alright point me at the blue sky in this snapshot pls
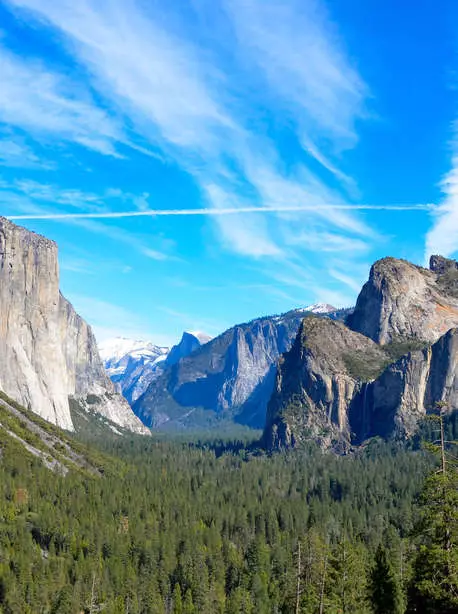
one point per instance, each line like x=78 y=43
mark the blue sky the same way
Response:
x=328 y=114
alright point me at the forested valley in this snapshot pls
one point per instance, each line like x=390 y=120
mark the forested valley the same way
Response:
x=221 y=527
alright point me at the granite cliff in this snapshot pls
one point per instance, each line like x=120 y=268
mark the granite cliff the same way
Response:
x=381 y=371
x=316 y=382
x=229 y=377
x=402 y=300
x=48 y=353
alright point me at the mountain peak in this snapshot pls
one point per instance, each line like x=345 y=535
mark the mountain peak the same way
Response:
x=401 y=299
x=320 y=308
x=198 y=334
x=190 y=341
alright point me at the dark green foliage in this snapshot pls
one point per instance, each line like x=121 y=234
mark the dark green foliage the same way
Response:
x=402 y=346
x=433 y=588
x=368 y=367
x=384 y=589
x=448 y=282
x=364 y=367
x=199 y=528
x=209 y=527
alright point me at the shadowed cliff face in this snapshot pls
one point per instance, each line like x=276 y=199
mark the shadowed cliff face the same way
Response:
x=316 y=382
x=407 y=390
x=47 y=352
x=379 y=374
x=231 y=375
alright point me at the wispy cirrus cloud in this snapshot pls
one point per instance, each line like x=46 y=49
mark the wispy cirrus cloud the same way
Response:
x=177 y=96
x=297 y=47
x=15 y=153
x=33 y=200
x=48 y=105
x=346 y=279
x=155 y=78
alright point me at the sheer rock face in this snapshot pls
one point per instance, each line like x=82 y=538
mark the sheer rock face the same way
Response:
x=402 y=300
x=231 y=375
x=409 y=389
x=316 y=383
x=47 y=351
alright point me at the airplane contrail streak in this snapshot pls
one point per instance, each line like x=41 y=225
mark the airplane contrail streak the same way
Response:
x=218 y=212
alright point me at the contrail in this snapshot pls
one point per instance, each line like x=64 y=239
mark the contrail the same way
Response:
x=216 y=212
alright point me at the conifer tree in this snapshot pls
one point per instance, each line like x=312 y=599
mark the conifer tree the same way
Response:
x=433 y=588
x=384 y=591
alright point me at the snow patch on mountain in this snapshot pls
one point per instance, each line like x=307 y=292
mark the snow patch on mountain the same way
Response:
x=115 y=349
x=132 y=364
x=320 y=308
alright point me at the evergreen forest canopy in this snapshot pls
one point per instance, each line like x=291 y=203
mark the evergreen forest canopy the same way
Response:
x=218 y=527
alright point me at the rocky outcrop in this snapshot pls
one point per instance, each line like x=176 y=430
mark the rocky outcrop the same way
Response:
x=316 y=383
x=402 y=300
x=47 y=352
x=441 y=265
x=378 y=376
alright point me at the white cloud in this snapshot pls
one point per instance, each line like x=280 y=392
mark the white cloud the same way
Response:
x=351 y=282
x=27 y=197
x=297 y=47
x=443 y=236
x=77 y=199
x=154 y=77
x=49 y=106
x=175 y=94
x=14 y=152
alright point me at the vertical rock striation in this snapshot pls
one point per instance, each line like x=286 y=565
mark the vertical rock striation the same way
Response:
x=231 y=376
x=47 y=351
x=409 y=389
x=316 y=382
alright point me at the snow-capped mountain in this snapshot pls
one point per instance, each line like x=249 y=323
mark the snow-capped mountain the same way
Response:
x=132 y=364
x=320 y=308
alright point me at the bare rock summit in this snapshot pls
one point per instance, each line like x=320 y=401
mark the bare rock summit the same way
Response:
x=402 y=300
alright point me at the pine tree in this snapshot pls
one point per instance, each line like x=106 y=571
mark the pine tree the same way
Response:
x=188 y=605
x=433 y=588
x=177 y=601
x=384 y=591
x=347 y=586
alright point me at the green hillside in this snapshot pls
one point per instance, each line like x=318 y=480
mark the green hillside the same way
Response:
x=149 y=526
